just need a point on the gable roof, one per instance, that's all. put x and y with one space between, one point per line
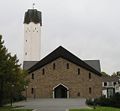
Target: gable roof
65 54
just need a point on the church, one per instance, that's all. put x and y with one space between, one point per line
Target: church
60 74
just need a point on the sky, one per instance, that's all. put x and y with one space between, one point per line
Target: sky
90 29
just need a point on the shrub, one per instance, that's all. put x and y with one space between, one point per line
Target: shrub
113 101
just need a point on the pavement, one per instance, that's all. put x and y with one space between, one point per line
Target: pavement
52 104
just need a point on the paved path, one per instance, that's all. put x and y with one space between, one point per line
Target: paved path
52 104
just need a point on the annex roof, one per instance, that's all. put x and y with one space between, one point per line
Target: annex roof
65 54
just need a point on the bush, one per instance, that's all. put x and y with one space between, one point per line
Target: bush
113 101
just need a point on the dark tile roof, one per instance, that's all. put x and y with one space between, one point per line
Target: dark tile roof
94 63
28 64
32 15
110 78
65 54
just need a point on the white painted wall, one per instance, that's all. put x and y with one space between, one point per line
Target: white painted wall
32 42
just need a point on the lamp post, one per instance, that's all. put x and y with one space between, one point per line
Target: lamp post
12 86
26 87
35 92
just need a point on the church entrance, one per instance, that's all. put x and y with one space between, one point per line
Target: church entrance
61 92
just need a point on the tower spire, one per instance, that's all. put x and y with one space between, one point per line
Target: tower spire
33 5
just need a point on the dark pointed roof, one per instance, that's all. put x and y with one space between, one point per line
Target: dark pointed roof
65 54
94 63
33 15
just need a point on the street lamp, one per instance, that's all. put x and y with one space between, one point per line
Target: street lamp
12 86
26 87
35 92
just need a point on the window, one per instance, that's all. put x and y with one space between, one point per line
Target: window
54 66
67 65
78 94
26 53
114 83
78 71
32 76
43 71
105 83
89 75
26 40
90 90
32 90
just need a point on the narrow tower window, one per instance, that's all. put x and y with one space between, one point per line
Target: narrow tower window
54 66
43 71
67 65
90 90
89 75
32 76
32 90
78 71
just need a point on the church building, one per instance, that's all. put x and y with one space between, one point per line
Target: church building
60 74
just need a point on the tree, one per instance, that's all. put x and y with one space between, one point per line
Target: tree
11 74
104 74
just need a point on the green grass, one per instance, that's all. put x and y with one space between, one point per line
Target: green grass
12 109
98 109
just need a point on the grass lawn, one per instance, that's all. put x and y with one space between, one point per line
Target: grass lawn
12 109
98 109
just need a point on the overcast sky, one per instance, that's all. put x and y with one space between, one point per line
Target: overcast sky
90 29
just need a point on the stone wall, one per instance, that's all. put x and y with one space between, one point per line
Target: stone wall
78 84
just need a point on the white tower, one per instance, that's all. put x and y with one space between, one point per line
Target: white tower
32 36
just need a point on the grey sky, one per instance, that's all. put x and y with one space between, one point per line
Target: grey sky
90 29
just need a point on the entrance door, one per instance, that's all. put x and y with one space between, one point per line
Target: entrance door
60 92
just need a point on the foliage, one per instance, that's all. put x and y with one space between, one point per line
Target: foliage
113 101
98 109
104 74
11 75
13 109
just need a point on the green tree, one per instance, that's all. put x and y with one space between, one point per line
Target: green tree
11 74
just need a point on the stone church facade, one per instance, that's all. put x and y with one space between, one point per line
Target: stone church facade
63 75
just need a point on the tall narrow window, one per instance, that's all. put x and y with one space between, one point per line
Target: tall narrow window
32 76
32 90
25 53
43 71
78 71
54 66
90 90
67 65
89 75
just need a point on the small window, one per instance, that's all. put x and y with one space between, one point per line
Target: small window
89 75
114 83
67 65
26 53
78 94
32 76
105 83
26 40
78 71
43 71
54 66
32 90
35 28
90 90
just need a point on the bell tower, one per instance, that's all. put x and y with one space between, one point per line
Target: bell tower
32 36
